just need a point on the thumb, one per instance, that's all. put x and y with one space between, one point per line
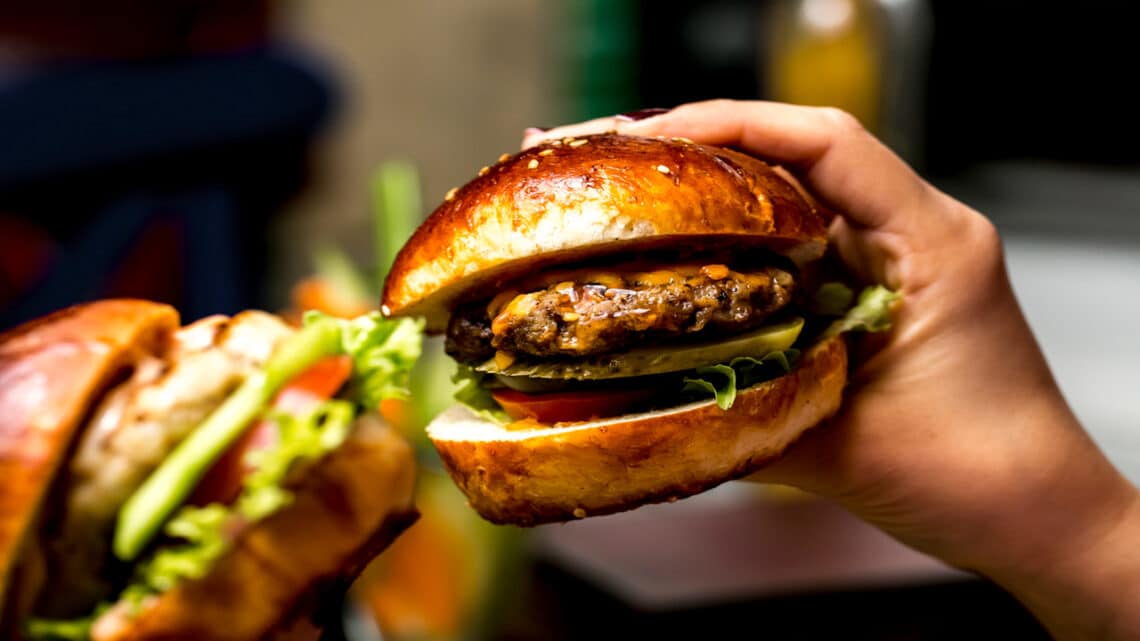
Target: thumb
805 464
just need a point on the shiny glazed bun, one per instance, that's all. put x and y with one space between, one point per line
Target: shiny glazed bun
595 292
573 199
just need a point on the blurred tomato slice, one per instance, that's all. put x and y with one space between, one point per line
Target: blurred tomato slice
313 386
299 397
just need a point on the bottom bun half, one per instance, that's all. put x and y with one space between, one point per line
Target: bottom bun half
546 474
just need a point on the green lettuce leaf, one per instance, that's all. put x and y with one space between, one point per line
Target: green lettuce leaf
201 530
167 488
872 313
475 396
720 380
831 299
58 629
201 533
301 439
750 371
723 381
383 352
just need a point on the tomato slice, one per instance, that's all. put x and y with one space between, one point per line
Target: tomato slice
223 481
313 386
398 413
556 407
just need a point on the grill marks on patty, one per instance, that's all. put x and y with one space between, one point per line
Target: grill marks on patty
607 312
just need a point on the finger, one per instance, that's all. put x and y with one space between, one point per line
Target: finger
532 137
843 163
869 260
803 465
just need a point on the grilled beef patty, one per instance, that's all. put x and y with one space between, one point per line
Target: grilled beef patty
607 312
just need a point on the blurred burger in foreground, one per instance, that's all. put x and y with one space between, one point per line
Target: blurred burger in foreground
223 480
636 320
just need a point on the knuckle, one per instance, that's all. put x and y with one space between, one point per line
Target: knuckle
987 237
718 105
987 231
840 121
983 239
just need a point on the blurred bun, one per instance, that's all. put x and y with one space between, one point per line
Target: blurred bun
291 567
51 370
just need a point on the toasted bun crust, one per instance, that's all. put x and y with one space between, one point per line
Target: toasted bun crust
531 476
347 507
603 194
50 370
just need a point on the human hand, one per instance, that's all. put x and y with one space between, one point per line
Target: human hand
954 437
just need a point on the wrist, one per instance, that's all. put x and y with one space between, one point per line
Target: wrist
1071 551
1088 590
1110 574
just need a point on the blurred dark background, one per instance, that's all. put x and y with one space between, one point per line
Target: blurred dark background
134 129
199 152
991 81
146 149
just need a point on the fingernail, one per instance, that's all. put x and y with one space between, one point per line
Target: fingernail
531 131
641 114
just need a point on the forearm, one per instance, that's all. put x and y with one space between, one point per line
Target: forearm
1073 553
1089 595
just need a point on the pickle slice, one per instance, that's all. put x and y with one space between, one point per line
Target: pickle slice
645 361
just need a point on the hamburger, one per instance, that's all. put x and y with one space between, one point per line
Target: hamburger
222 480
635 320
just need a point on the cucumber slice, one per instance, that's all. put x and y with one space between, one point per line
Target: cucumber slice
144 513
644 361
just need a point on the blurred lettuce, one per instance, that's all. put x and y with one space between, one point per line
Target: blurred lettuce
383 352
58 629
831 299
202 533
203 530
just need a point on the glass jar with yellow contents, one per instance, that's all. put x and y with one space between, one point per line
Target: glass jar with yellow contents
867 57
